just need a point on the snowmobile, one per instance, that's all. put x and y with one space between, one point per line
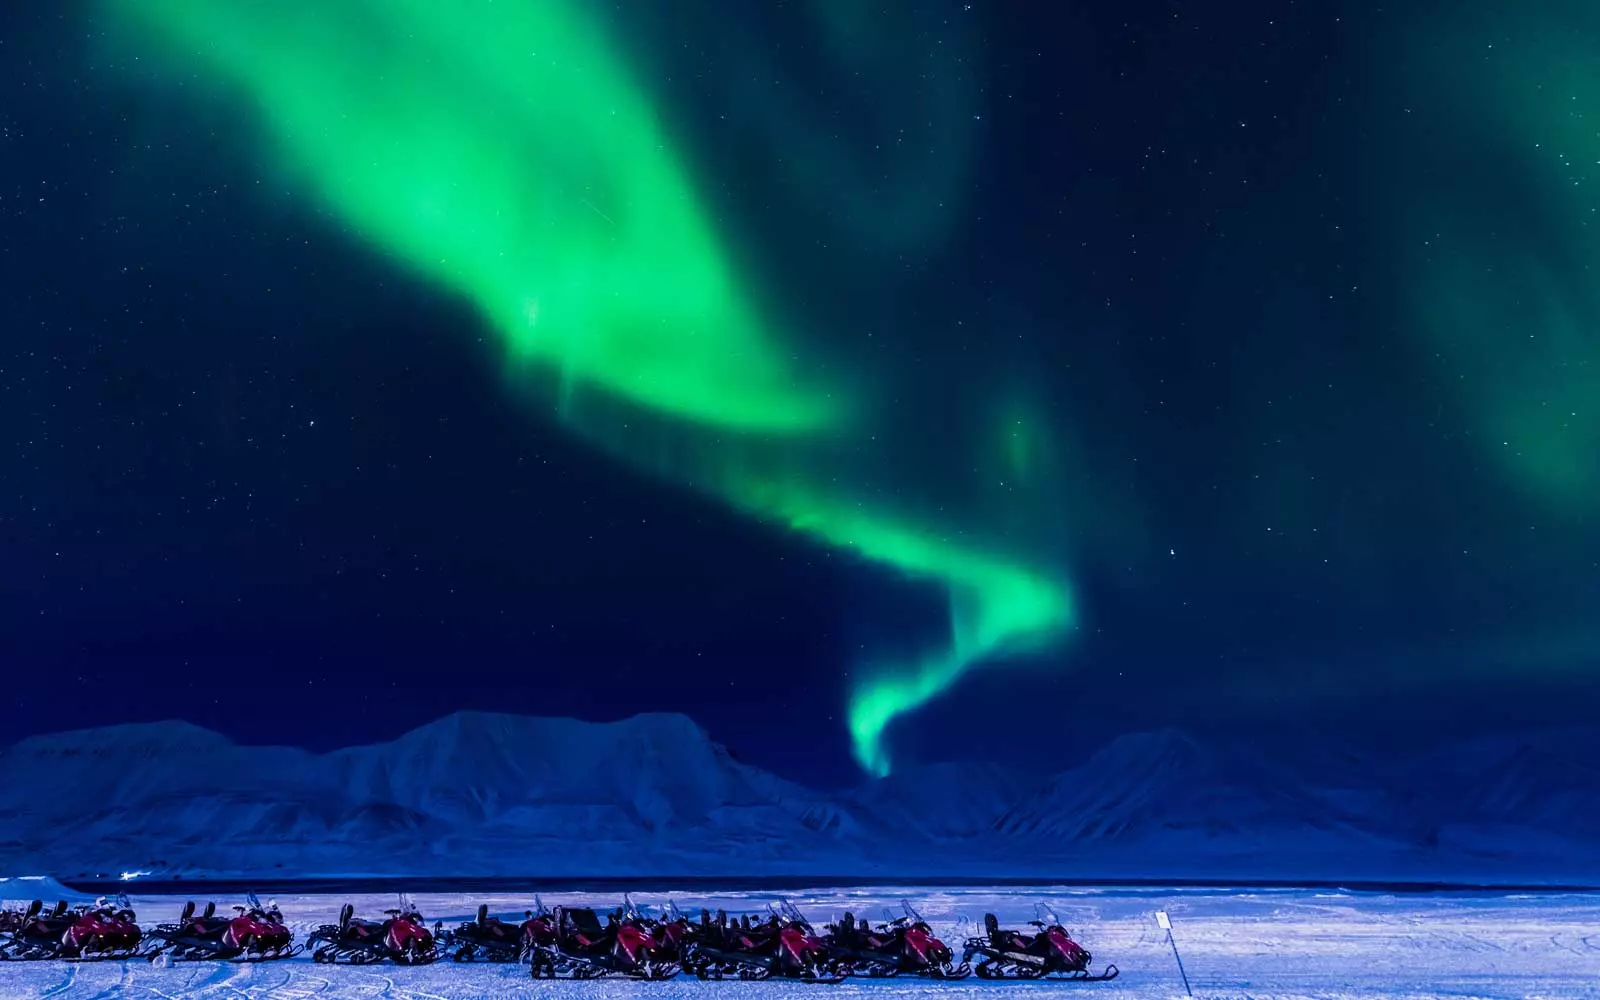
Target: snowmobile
108 930
254 933
1050 952
11 920
584 949
670 931
490 939
902 945
784 946
104 931
24 933
403 938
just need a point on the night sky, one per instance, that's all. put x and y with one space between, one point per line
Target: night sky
875 383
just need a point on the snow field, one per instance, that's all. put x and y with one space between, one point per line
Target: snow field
1255 945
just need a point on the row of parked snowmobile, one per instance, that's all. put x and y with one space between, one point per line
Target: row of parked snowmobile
108 930
564 942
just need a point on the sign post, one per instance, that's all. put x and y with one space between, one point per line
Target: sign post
1165 923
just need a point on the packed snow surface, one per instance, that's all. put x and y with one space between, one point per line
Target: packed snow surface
1256 944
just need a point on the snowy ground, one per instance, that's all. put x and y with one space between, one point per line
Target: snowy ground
1257 944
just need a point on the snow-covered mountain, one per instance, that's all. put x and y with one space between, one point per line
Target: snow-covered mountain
485 794
493 794
1548 780
1148 787
940 802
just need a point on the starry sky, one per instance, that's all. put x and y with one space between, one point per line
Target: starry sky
876 384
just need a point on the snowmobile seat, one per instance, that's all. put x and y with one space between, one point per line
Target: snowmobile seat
494 927
210 911
34 908
352 926
999 937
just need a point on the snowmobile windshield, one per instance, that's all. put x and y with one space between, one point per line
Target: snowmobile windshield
583 921
911 912
793 914
1047 916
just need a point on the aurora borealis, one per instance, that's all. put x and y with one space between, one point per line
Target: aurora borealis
1504 243
505 152
864 381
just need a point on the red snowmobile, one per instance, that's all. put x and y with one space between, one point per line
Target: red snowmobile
1050 952
403 938
105 931
584 949
784 946
670 931
901 945
254 933
490 939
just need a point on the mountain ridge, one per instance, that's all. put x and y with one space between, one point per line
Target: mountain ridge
496 794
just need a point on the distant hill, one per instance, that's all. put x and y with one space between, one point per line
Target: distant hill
482 794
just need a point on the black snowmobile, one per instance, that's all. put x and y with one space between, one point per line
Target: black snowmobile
784 946
255 933
490 939
402 937
11 920
903 945
34 932
582 948
1048 953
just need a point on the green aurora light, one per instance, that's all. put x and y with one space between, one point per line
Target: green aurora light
1498 162
502 151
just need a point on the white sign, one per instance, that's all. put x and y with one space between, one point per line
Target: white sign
1163 921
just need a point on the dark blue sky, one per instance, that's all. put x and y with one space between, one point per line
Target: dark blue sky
253 477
